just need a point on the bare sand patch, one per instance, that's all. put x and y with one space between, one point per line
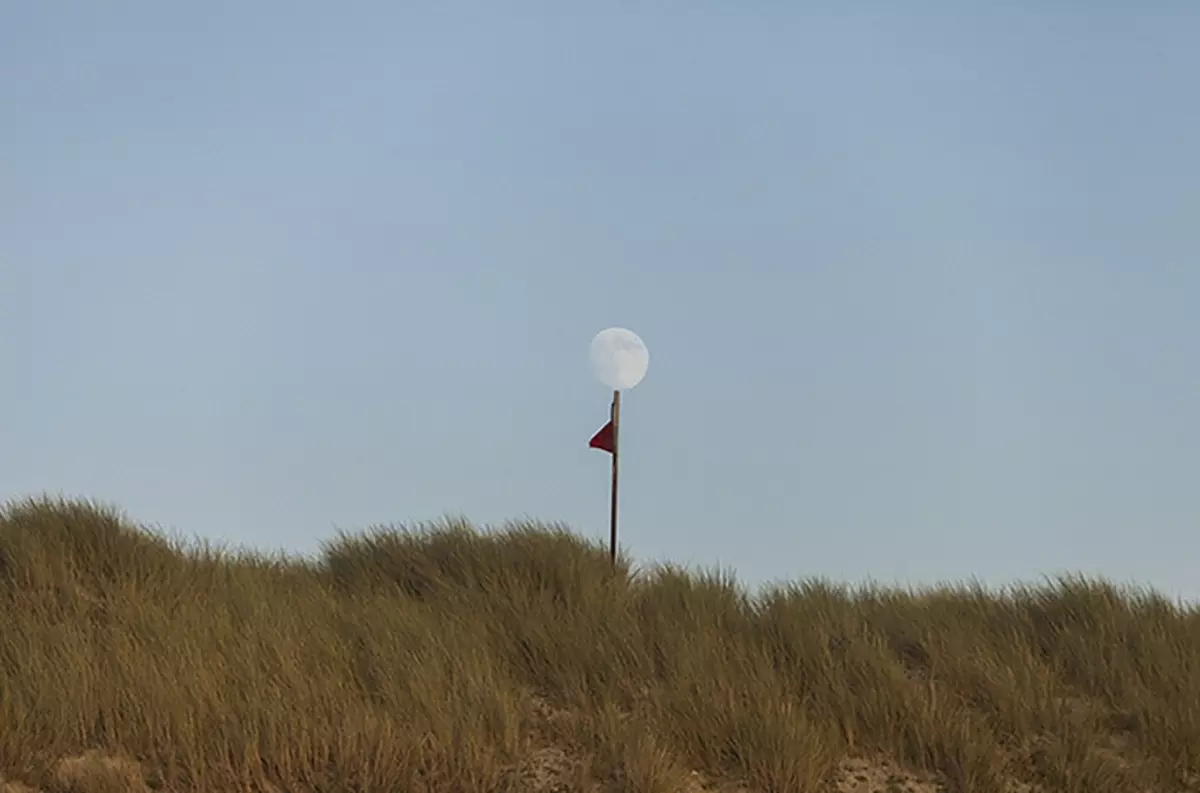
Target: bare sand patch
97 772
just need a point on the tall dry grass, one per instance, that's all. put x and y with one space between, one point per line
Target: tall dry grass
448 659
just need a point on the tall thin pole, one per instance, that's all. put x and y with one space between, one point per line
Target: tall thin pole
612 515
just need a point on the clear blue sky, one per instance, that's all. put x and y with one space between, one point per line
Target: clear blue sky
921 287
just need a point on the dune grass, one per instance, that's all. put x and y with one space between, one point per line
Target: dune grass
450 659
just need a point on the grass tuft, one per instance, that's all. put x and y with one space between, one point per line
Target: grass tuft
445 658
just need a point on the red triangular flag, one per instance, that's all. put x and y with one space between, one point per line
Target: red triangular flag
603 439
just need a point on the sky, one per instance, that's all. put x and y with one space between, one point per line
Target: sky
920 282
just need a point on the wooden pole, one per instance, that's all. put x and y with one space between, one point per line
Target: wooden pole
612 507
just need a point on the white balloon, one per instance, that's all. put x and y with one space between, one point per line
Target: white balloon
619 358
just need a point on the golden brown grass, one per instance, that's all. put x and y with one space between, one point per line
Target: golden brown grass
446 659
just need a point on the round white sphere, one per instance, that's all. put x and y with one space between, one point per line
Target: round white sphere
619 358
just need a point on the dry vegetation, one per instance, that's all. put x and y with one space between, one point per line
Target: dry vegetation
452 660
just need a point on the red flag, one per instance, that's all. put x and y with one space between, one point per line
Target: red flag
603 439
